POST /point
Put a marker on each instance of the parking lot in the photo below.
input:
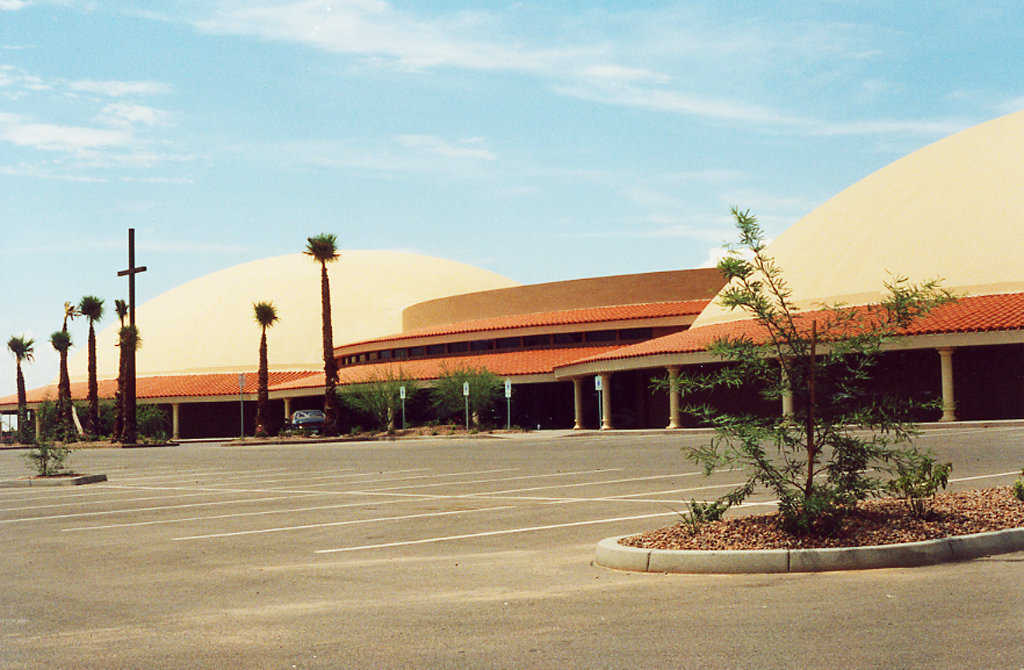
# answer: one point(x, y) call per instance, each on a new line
point(455, 553)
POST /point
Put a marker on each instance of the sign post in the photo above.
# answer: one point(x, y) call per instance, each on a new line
point(508, 404)
point(465, 394)
point(600, 389)
point(401, 394)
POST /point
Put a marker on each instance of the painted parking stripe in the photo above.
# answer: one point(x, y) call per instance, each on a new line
point(485, 481)
point(341, 523)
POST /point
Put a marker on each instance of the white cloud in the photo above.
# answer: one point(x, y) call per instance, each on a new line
point(117, 89)
point(716, 254)
point(53, 137)
point(37, 172)
point(1010, 106)
point(624, 74)
point(472, 147)
point(125, 115)
point(12, 5)
point(159, 180)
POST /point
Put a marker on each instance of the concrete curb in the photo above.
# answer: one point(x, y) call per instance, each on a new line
point(52, 481)
point(611, 554)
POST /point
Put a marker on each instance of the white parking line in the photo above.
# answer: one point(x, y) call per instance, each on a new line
point(340, 523)
point(490, 533)
point(485, 481)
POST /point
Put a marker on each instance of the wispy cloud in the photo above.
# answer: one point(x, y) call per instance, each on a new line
point(12, 5)
point(1010, 106)
point(54, 137)
point(118, 89)
point(126, 115)
point(473, 147)
point(39, 172)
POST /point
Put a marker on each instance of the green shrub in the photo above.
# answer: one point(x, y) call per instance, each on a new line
point(151, 421)
point(918, 478)
point(1018, 487)
point(703, 512)
point(47, 459)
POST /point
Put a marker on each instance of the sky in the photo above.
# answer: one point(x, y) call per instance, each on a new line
point(542, 141)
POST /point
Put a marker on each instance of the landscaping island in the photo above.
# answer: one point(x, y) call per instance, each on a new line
point(880, 533)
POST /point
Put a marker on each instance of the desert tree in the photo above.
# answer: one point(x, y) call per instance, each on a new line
point(61, 342)
point(23, 349)
point(843, 438)
point(91, 308)
point(323, 249)
point(379, 396)
point(485, 388)
point(266, 315)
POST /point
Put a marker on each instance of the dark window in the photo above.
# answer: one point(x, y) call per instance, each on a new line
point(374, 355)
point(481, 345)
point(536, 340)
point(417, 351)
point(601, 336)
point(386, 354)
point(435, 349)
point(568, 338)
point(401, 353)
point(635, 334)
point(458, 347)
point(508, 343)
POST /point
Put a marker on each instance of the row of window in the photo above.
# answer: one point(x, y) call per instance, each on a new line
point(625, 335)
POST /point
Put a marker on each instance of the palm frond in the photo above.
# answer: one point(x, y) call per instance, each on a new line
point(265, 313)
point(91, 307)
point(322, 247)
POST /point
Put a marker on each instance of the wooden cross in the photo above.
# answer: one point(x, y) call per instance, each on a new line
point(129, 399)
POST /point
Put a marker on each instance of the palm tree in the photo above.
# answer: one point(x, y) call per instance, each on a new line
point(128, 339)
point(121, 308)
point(70, 314)
point(91, 308)
point(61, 341)
point(323, 249)
point(266, 315)
point(22, 348)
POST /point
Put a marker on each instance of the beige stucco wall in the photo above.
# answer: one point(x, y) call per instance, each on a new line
point(207, 325)
point(952, 210)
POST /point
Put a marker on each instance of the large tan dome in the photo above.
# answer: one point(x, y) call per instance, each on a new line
point(952, 210)
point(207, 325)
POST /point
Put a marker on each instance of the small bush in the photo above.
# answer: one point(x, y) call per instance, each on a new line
point(703, 512)
point(1018, 487)
point(918, 478)
point(47, 459)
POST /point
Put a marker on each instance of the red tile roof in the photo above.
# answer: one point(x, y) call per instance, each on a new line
point(967, 315)
point(170, 386)
point(511, 363)
point(560, 318)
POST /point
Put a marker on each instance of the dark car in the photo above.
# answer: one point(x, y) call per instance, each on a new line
point(308, 420)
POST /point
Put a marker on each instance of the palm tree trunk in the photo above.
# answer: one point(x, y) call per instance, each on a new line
point(67, 424)
point(261, 388)
point(92, 420)
point(330, 368)
point(23, 432)
point(122, 368)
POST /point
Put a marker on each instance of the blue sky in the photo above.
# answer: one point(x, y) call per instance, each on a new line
point(543, 141)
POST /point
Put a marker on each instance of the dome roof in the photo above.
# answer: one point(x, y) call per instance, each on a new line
point(207, 324)
point(953, 210)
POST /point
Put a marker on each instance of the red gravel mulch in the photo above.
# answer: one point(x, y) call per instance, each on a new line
point(874, 522)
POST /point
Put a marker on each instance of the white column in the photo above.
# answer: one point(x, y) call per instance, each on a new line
point(787, 394)
point(673, 398)
point(175, 420)
point(948, 400)
point(577, 402)
point(39, 424)
point(287, 409)
point(606, 401)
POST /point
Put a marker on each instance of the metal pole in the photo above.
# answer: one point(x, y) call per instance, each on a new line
point(403, 413)
point(508, 413)
point(467, 414)
point(600, 418)
point(241, 406)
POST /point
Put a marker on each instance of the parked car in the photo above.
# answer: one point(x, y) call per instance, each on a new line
point(311, 420)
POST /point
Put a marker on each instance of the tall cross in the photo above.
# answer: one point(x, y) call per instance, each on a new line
point(128, 401)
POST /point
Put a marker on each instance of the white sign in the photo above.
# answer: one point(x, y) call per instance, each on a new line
point(508, 388)
point(465, 389)
point(241, 383)
point(401, 392)
point(597, 383)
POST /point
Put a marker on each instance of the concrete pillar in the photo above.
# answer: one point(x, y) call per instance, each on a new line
point(606, 401)
point(287, 409)
point(39, 425)
point(577, 403)
point(787, 394)
point(175, 420)
point(948, 400)
point(673, 398)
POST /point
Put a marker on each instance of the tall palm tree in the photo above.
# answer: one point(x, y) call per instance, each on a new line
point(324, 249)
point(91, 308)
point(121, 308)
point(266, 315)
point(23, 350)
point(70, 314)
point(61, 341)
